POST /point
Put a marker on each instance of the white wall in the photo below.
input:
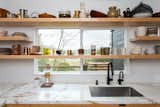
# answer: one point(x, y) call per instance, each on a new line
point(22, 70)
point(2, 4)
point(16, 70)
point(53, 6)
point(144, 71)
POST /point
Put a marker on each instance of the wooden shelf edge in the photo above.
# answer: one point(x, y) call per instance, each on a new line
point(80, 57)
point(78, 21)
point(150, 19)
point(152, 56)
point(63, 57)
point(11, 38)
point(146, 38)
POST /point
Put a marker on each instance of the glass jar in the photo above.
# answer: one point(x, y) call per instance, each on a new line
point(93, 49)
point(46, 51)
point(64, 14)
point(113, 11)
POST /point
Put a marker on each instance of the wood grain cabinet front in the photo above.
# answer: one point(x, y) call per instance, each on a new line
point(17, 105)
point(157, 105)
point(141, 105)
point(82, 105)
point(55, 105)
point(106, 105)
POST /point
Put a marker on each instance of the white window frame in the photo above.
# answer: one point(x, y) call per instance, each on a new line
point(82, 72)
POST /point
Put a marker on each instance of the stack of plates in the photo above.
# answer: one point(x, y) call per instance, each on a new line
point(3, 33)
point(5, 51)
point(21, 34)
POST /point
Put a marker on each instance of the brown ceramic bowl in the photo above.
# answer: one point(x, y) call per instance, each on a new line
point(3, 13)
point(46, 15)
point(95, 13)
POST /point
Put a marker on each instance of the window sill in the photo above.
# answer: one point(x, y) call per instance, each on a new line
point(79, 73)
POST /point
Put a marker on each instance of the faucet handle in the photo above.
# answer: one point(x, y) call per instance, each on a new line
point(121, 77)
point(97, 82)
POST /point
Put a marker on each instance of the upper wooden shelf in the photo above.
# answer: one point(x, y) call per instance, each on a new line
point(78, 22)
point(62, 57)
point(80, 57)
point(146, 38)
point(16, 38)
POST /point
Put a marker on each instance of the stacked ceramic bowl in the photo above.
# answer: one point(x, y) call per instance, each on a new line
point(5, 51)
point(3, 33)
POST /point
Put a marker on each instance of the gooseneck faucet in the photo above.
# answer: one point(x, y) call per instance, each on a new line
point(121, 77)
point(110, 75)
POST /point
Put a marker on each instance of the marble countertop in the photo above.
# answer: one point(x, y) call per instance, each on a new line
point(74, 94)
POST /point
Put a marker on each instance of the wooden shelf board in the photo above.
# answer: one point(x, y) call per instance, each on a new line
point(80, 57)
point(144, 56)
point(17, 38)
point(77, 22)
point(146, 38)
point(62, 57)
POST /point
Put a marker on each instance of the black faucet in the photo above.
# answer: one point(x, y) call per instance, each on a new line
point(110, 75)
point(121, 77)
point(97, 82)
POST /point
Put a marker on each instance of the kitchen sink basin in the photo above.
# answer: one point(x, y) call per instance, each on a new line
point(114, 92)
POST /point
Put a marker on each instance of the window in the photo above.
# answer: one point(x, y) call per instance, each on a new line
point(59, 39)
point(74, 39)
point(98, 38)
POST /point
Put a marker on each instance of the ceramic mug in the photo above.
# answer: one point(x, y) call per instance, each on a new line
point(118, 51)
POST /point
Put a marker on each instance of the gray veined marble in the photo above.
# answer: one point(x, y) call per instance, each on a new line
point(73, 94)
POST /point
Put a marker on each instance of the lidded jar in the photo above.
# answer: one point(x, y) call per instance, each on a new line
point(113, 12)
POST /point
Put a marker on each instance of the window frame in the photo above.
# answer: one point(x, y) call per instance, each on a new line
point(82, 72)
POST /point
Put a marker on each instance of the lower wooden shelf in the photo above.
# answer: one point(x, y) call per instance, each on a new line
point(146, 39)
point(63, 57)
point(144, 56)
point(80, 57)
point(15, 38)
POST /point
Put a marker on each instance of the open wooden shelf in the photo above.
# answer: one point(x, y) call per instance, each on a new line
point(16, 38)
point(146, 38)
point(144, 56)
point(78, 22)
point(62, 57)
point(80, 57)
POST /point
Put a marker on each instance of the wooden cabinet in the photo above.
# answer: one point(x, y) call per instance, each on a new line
point(123, 105)
point(157, 105)
point(82, 105)
point(141, 105)
point(17, 105)
point(55, 105)
point(40, 105)
point(106, 105)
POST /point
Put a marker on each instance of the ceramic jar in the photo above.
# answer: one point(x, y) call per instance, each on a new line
point(113, 11)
